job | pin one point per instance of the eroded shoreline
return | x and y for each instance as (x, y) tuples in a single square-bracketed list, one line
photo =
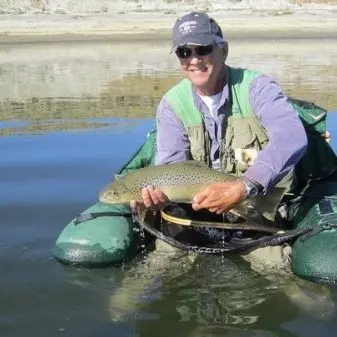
[(31, 28)]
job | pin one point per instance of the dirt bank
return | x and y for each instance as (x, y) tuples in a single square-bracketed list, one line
[(154, 18)]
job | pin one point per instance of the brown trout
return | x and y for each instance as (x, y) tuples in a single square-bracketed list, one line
[(181, 182)]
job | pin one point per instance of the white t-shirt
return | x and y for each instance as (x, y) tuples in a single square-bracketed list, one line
[(212, 103)]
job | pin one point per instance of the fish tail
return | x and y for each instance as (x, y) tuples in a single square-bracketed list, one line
[(268, 204)]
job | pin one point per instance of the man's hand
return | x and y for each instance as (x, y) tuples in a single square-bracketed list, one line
[(327, 136), (152, 198), (220, 197)]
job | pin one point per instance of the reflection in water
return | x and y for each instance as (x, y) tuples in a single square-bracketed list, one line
[(62, 81), (215, 291), (43, 126), (216, 296)]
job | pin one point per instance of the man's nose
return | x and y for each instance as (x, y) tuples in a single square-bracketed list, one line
[(195, 59)]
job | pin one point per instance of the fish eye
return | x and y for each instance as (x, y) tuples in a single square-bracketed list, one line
[(114, 193)]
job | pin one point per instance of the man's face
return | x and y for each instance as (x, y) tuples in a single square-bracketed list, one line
[(202, 64)]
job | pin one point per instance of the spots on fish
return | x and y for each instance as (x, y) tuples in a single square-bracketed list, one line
[(185, 174)]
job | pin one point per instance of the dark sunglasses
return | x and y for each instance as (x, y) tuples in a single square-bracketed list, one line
[(186, 52)]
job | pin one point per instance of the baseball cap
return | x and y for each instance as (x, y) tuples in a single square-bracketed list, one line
[(195, 28)]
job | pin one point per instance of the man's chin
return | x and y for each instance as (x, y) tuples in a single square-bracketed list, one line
[(199, 77), (200, 83), (202, 86)]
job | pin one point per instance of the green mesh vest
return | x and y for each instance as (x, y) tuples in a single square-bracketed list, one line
[(243, 130), (244, 134)]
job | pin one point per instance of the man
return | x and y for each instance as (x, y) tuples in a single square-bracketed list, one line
[(276, 137), (235, 120)]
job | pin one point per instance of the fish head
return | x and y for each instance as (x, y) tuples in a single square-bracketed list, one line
[(115, 193)]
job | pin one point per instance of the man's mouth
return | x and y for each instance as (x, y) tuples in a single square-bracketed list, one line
[(203, 69)]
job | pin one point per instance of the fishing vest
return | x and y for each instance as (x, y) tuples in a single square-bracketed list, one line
[(244, 134)]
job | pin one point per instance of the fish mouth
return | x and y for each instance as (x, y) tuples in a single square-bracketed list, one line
[(103, 196)]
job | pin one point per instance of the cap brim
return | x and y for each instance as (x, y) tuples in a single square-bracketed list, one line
[(197, 40)]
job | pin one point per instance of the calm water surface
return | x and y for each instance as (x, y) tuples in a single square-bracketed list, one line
[(71, 115)]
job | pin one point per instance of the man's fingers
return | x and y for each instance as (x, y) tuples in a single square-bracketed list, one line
[(218, 209), (222, 210), (153, 197), (147, 199), (204, 203), (326, 135), (200, 197), (208, 202), (161, 196), (196, 206)]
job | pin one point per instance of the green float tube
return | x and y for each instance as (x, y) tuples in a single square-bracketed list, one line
[(105, 234), (314, 255)]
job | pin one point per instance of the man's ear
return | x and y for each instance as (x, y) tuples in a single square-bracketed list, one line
[(225, 50)]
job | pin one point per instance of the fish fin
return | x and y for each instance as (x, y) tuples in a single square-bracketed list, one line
[(268, 204), (251, 215)]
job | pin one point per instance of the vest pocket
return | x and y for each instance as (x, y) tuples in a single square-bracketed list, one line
[(246, 139), (248, 134), (196, 138), (243, 137)]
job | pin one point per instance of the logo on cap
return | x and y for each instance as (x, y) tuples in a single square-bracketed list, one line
[(187, 27)]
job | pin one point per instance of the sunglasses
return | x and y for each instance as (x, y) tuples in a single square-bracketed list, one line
[(186, 52)]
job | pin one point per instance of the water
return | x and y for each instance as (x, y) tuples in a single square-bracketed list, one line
[(71, 115)]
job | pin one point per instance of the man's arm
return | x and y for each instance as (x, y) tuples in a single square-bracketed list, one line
[(287, 137), (172, 143), (287, 143)]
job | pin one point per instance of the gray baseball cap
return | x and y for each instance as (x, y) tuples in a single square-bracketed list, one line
[(195, 28)]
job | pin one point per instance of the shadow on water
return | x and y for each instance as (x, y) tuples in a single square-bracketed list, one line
[(71, 116)]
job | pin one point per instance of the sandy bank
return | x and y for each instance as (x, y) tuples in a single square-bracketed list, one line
[(277, 23)]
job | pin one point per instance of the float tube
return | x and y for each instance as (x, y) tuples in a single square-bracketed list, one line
[(314, 255), (104, 234)]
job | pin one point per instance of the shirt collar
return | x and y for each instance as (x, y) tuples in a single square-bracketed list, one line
[(198, 103)]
